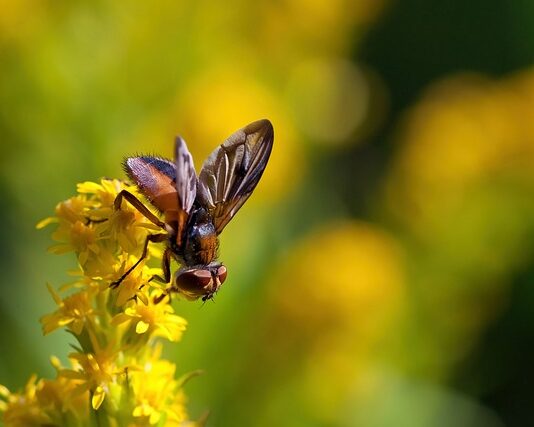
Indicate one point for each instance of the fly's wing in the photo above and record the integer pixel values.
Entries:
(186, 184)
(169, 186)
(231, 172)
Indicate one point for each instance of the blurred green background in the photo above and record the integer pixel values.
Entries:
(382, 274)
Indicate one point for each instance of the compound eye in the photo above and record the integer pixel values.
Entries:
(193, 281)
(221, 273)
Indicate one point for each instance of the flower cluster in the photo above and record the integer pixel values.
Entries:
(116, 375)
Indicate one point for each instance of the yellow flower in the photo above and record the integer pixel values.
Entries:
(126, 226)
(117, 368)
(133, 286)
(153, 319)
(73, 312)
(74, 209)
(95, 372)
(104, 193)
(157, 393)
(63, 398)
(86, 241)
(23, 409)
(89, 225)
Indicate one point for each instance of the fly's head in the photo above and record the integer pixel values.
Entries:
(200, 282)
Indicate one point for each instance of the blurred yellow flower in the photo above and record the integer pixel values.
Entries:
(461, 188)
(466, 131)
(297, 28)
(345, 95)
(335, 299)
(23, 409)
(63, 397)
(352, 277)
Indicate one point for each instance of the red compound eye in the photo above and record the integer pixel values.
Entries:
(221, 274)
(194, 282)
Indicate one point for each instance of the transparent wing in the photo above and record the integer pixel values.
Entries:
(186, 178)
(186, 185)
(231, 172)
(170, 186)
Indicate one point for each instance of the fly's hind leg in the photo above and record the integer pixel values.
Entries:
(137, 204)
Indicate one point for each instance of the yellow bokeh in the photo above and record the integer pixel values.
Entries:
(330, 100)
(466, 131)
(351, 277)
(334, 301)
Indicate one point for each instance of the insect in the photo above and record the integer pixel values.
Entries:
(195, 208)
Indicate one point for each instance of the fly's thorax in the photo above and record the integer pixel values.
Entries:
(200, 240)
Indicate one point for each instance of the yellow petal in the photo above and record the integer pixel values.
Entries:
(93, 363)
(168, 334)
(120, 318)
(59, 249)
(4, 392)
(131, 312)
(141, 327)
(43, 223)
(143, 298)
(54, 294)
(98, 397)
(139, 411)
(87, 187)
(56, 363)
(154, 417)
(82, 257)
(73, 375)
(77, 326)
(65, 321)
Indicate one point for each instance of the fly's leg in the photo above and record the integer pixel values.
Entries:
(166, 267)
(137, 204)
(156, 238)
(94, 221)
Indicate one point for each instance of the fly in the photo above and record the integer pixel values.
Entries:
(195, 209)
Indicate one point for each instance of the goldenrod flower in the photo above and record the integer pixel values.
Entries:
(153, 398)
(155, 319)
(72, 312)
(133, 287)
(117, 376)
(95, 372)
(23, 409)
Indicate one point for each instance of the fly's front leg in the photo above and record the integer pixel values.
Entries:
(156, 238)
(166, 267)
